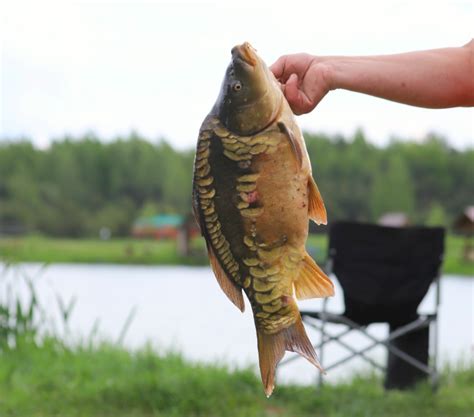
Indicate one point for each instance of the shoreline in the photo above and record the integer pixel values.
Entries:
(128, 251)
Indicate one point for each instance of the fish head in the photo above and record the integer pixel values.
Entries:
(250, 97)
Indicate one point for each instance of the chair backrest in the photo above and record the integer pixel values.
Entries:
(384, 271)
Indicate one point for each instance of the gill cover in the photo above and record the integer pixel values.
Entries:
(250, 97)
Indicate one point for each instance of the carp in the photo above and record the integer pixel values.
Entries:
(253, 194)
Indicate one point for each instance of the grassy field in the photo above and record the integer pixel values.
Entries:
(121, 251)
(133, 251)
(51, 380)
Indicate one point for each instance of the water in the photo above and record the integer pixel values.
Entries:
(183, 308)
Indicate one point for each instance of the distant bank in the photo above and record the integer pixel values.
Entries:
(162, 252)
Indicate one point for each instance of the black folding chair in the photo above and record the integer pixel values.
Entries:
(385, 272)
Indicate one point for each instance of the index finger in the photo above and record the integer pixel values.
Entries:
(278, 67)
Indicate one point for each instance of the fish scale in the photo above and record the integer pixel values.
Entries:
(260, 290)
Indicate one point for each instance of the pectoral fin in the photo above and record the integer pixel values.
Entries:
(316, 209)
(230, 289)
(312, 282)
(295, 145)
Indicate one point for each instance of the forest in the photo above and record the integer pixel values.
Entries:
(78, 185)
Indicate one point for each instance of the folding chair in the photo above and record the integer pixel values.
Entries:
(385, 273)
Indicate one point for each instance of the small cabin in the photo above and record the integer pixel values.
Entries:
(160, 226)
(464, 225)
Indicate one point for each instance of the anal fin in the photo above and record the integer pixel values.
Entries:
(316, 209)
(233, 292)
(312, 282)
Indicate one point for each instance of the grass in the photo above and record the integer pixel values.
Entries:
(52, 380)
(453, 261)
(118, 251)
(133, 251)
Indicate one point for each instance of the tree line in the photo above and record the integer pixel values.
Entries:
(78, 185)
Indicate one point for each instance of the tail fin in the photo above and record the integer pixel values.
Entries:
(271, 348)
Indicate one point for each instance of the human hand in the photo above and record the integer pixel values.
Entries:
(304, 79)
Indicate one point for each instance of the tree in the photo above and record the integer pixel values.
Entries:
(392, 188)
(78, 185)
(436, 215)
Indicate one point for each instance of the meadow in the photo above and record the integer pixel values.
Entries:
(51, 379)
(150, 252)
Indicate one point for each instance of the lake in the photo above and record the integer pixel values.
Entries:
(183, 308)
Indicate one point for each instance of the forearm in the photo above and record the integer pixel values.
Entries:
(437, 78)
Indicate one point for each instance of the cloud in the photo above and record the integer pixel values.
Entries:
(157, 66)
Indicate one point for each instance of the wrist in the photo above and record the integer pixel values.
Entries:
(326, 67)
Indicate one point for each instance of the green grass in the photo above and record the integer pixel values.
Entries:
(120, 251)
(453, 261)
(133, 251)
(51, 380)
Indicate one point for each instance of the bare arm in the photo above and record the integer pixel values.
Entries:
(437, 78)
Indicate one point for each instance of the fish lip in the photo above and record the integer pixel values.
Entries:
(244, 54)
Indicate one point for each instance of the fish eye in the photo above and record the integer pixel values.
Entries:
(237, 86)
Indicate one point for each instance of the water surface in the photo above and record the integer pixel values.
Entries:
(183, 308)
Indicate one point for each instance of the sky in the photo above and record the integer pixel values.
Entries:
(156, 67)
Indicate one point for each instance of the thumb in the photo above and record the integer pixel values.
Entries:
(291, 90)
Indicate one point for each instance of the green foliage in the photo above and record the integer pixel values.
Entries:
(437, 215)
(18, 319)
(392, 189)
(120, 251)
(361, 181)
(50, 379)
(22, 318)
(79, 185)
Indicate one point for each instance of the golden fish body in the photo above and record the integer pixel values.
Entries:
(253, 194)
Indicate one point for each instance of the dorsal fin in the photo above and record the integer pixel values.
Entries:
(316, 209)
(312, 282)
(230, 289)
(295, 145)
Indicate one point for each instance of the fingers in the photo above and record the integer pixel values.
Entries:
(289, 64)
(291, 90)
(278, 67)
(298, 100)
(297, 83)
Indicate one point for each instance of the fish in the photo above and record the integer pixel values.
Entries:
(253, 196)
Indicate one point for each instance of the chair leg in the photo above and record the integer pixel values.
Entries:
(435, 325)
(435, 375)
(337, 338)
(326, 338)
(321, 349)
(385, 342)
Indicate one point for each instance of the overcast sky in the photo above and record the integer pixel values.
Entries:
(156, 67)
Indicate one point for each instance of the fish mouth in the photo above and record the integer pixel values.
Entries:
(245, 54)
